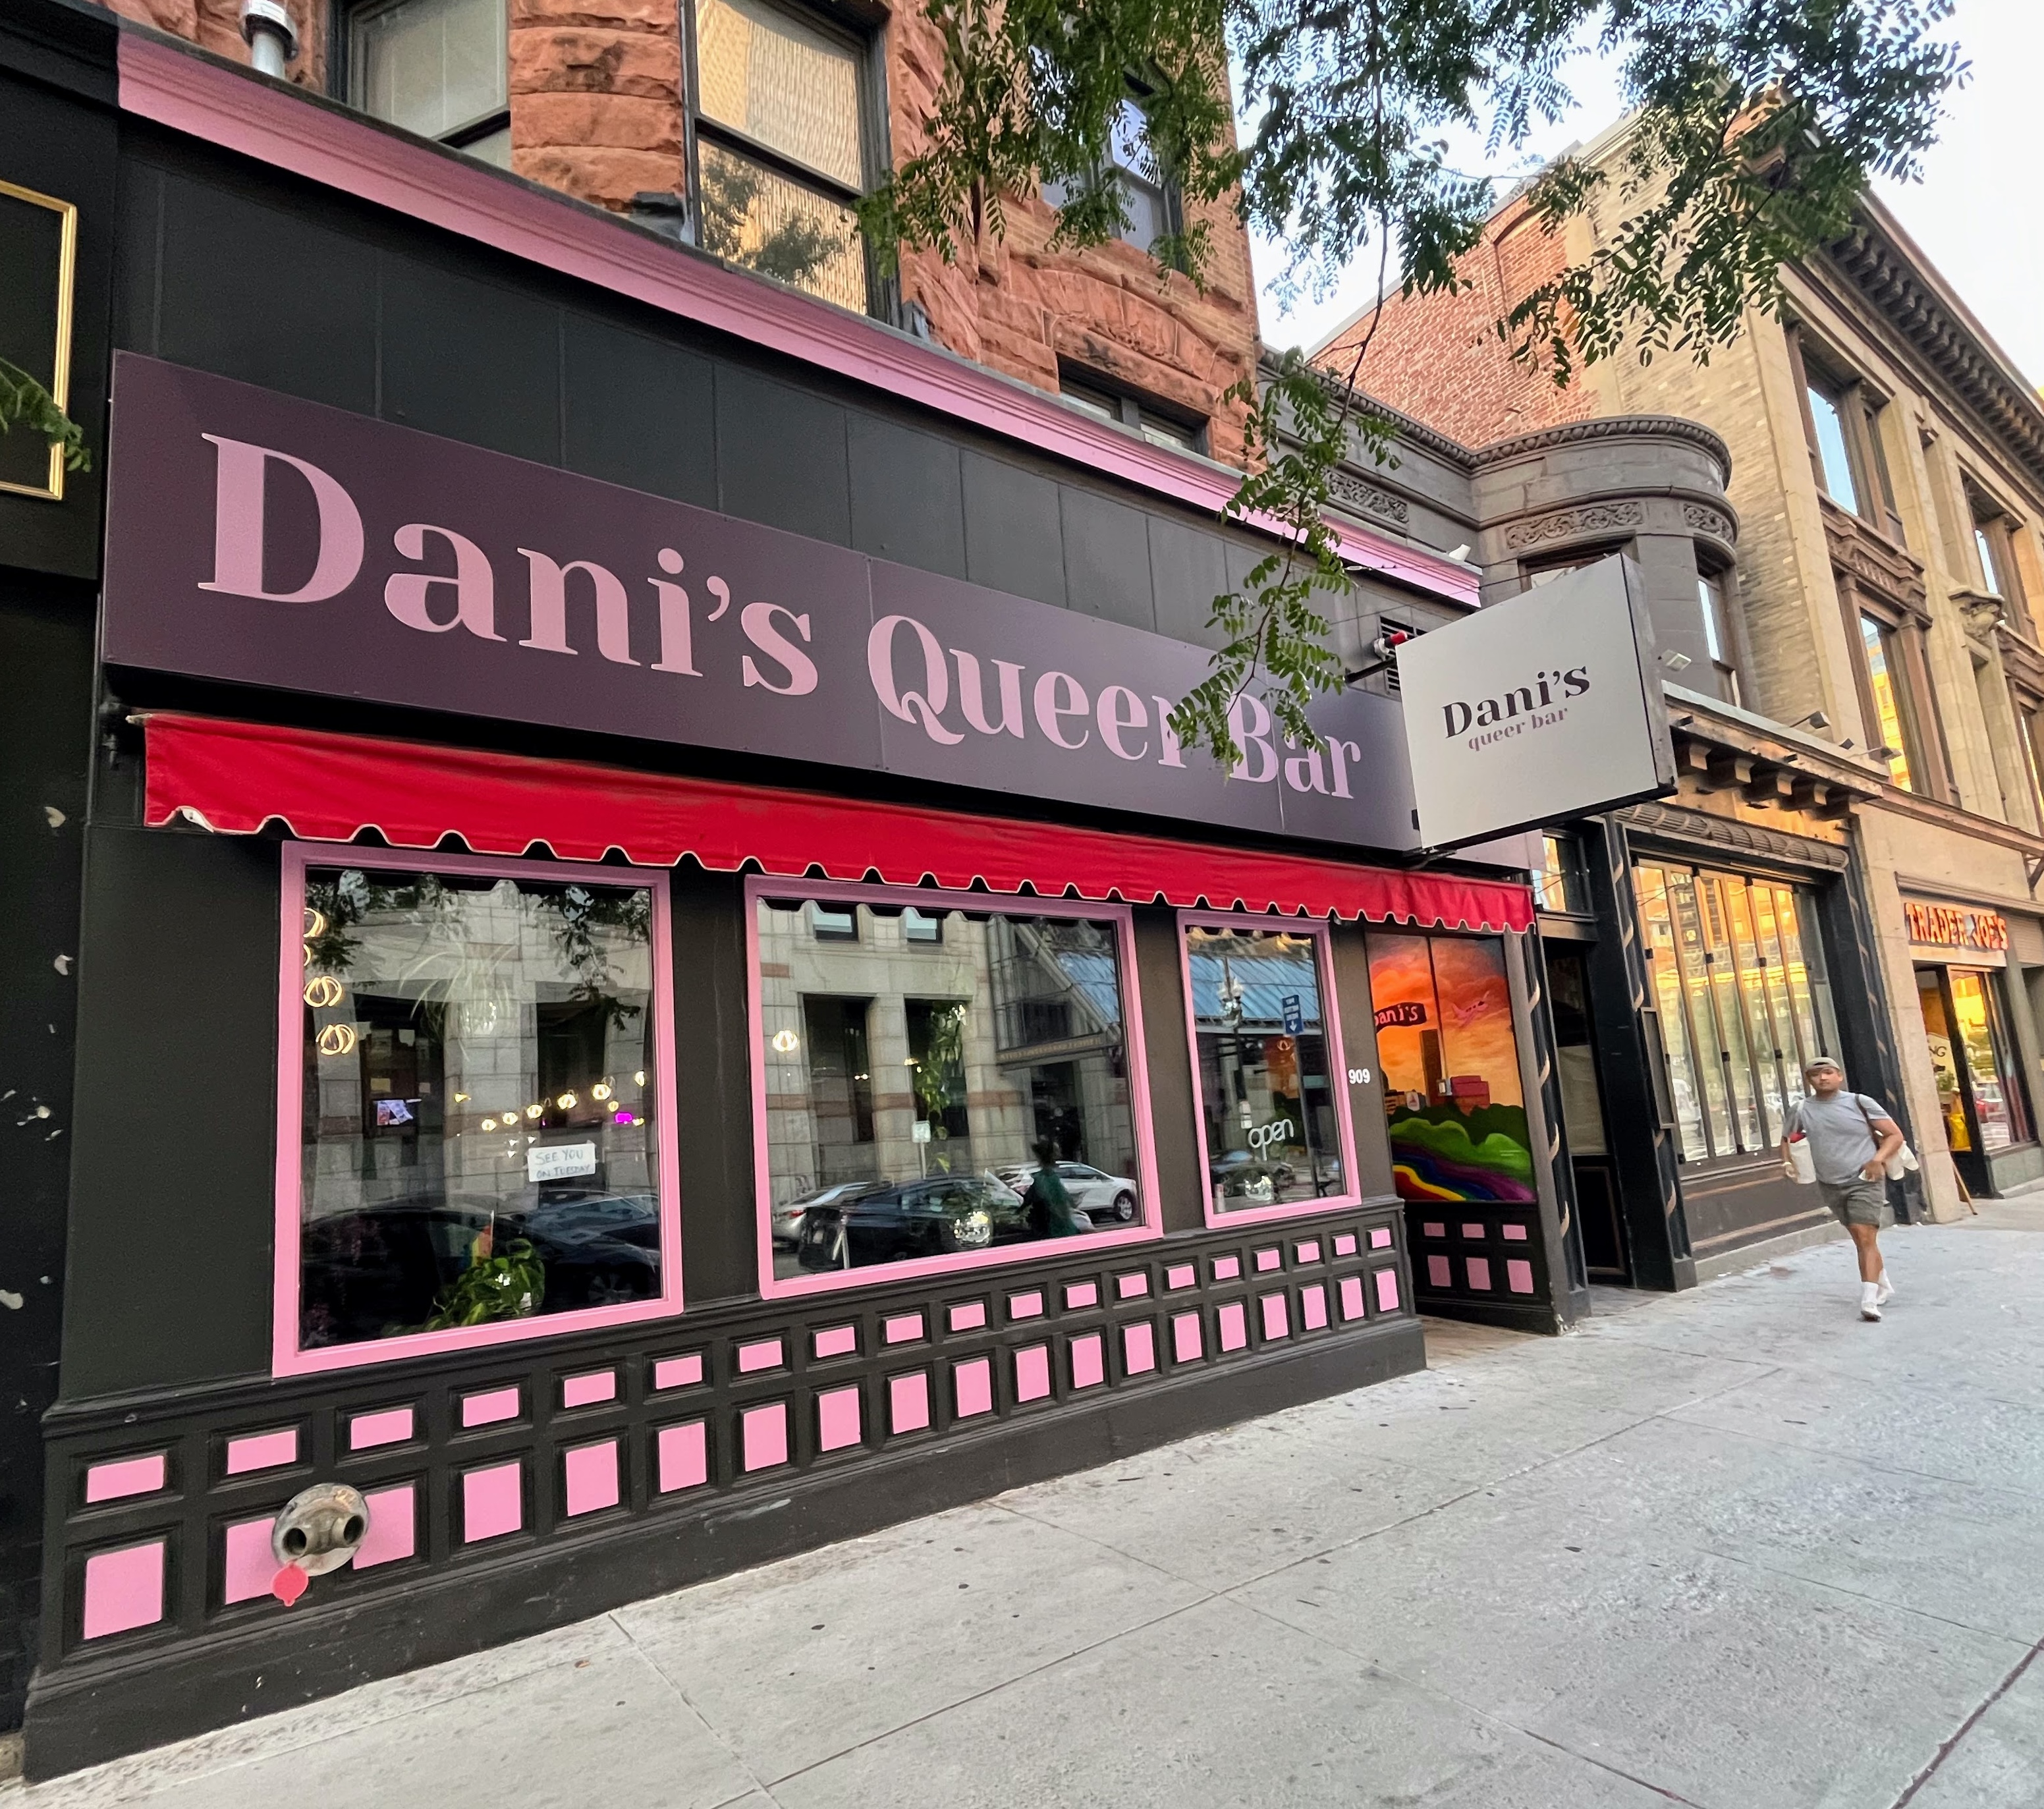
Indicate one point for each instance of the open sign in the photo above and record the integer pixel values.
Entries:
(1263, 1136)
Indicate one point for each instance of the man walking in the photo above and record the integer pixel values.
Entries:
(1851, 1138)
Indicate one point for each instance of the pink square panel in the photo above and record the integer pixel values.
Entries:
(903, 1328)
(492, 1502)
(1312, 1307)
(589, 1390)
(835, 1340)
(1089, 1360)
(392, 1528)
(764, 1436)
(969, 1316)
(1276, 1320)
(1351, 1290)
(678, 1372)
(262, 1450)
(1439, 1274)
(1181, 1275)
(1233, 1319)
(683, 1453)
(126, 1476)
(1512, 1234)
(1344, 1243)
(1079, 1294)
(489, 1407)
(1032, 1372)
(1479, 1272)
(389, 1426)
(1267, 1260)
(250, 1563)
(1227, 1268)
(1433, 1228)
(1187, 1343)
(839, 1419)
(1387, 1290)
(1381, 1238)
(972, 1387)
(1518, 1275)
(1473, 1230)
(1130, 1287)
(124, 1589)
(1309, 1251)
(908, 1402)
(1138, 1348)
(591, 1471)
(761, 1353)
(1026, 1306)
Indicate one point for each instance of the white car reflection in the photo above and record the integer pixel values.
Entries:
(1099, 1195)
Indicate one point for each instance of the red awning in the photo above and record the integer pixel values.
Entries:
(235, 777)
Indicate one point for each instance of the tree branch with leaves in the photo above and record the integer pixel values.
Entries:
(24, 402)
(1755, 127)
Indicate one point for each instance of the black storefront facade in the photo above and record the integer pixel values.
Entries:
(595, 828)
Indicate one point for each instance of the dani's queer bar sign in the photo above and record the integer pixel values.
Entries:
(268, 541)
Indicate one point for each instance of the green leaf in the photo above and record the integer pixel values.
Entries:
(24, 402)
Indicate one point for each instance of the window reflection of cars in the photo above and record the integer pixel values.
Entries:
(375, 1272)
(1097, 1193)
(945, 1216)
(1254, 1180)
(785, 1221)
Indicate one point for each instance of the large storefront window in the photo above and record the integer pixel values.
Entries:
(1737, 976)
(921, 1063)
(477, 1103)
(1451, 1060)
(1980, 1088)
(1269, 1125)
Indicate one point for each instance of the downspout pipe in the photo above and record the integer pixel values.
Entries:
(272, 39)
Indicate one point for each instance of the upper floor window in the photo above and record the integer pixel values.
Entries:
(1994, 544)
(1151, 209)
(1564, 881)
(1156, 425)
(439, 67)
(779, 116)
(1717, 635)
(1888, 685)
(1842, 417)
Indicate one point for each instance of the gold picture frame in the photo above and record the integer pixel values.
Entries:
(53, 488)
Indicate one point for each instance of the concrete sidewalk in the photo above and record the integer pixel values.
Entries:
(1733, 1548)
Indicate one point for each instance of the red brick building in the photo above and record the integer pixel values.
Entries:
(764, 121)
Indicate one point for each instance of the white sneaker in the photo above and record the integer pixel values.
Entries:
(1885, 1291)
(1869, 1301)
(1869, 1309)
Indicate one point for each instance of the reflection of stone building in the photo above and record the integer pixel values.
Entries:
(990, 1033)
(460, 1025)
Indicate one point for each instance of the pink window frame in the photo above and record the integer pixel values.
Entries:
(1146, 1228)
(1337, 1066)
(287, 1358)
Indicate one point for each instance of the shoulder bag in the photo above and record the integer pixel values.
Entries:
(1904, 1161)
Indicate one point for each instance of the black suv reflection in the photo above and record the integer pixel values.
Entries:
(941, 1216)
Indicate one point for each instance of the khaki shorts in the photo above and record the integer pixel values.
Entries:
(1857, 1202)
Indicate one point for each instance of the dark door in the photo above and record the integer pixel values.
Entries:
(1955, 1093)
(1583, 1114)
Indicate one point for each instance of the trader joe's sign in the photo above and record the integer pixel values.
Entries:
(1954, 926)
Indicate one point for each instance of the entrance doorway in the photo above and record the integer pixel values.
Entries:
(1979, 1096)
(1583, 1114)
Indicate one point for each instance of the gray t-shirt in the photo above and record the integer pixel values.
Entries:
(1841, 1144)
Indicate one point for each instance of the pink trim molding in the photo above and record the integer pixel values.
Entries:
(970, 1315)
(1312, 1307)
(1180, 1275)
(1518, 1275)
(1147, 1226)
(1233, 1320)
(492, 1408)
(369, 1431)
(678, 1372)
(287, 1358)
(1138, 1348)
(589, 1390)
(1089, 1360)
(1277, 1320)
(1380, 1238)
(684, 1456)
(1387, 1290)
(193, 92)
(492, 1501)
(262, 1450)
(590, 1475)
(1227, 1268)
(1188, 1345)
(902, 1328)
(1309, 1251)
(1345, 1243)
(841, 1418)
(834, 1341)
(1131, 1286)
(762, 1354)
(764, 1436)
(1080, 1295)
(972, 1387)
(124, 1589)
(247, 1563)
(393, 1531)
(1026, 1306)
(908, 1402)
(1337, 1069)
(1032, 1372)
(126, 1476)
(1351, 1290)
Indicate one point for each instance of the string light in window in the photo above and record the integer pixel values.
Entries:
(787, 1041)
(337, 1039)
(489, 1124)
(567, 1102)
(600, 1090)
(321, 991)
(534, 1111)
(639, 1079)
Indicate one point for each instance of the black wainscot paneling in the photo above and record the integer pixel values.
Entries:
(1107, 559)
(475, 361)
(908, 502)
(641, 414)
(781, 457)
(1013, 537)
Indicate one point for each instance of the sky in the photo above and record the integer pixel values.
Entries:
(1978, 214)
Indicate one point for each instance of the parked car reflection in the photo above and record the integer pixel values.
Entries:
(785, 1221)
(381, 1272)
(942, 1216)
(1097, 1193)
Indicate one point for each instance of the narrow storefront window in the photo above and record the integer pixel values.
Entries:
(1663, 967)
(1732, 1019)
(917, 1058)
(1706, 1034)
(1760, 1027)
(1269, 1115)
(1883, 673)
(1455, 1109)
(479, 1082)
(1998, 1103)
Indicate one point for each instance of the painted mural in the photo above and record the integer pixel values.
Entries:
(1457, 1116)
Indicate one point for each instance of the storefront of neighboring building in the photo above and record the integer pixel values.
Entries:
(630, 817)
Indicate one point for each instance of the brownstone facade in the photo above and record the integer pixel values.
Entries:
(597, 112)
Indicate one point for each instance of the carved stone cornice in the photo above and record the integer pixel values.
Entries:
(1608, 427)
(1907, 296)
(1875, 564)
(1705, 519)
(1570, 523)
(1670, 822)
